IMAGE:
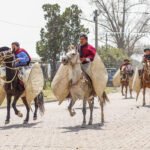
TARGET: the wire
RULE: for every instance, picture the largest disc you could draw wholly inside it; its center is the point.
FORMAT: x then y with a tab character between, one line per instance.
21	25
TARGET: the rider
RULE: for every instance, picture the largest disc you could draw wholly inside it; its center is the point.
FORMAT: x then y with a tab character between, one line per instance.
87	52
146	54
127	66
22	56
22	59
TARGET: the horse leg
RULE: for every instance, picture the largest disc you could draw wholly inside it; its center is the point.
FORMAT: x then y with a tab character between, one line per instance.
72	112
91	105
122	87
144	91
28	110
126	90
102	110
8	109
36	109
131	93
17	112
84	114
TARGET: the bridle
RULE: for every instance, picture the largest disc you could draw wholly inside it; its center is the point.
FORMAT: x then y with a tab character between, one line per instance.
76	60
3	57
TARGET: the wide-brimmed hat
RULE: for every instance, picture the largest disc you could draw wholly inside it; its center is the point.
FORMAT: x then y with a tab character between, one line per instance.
127	60
146	49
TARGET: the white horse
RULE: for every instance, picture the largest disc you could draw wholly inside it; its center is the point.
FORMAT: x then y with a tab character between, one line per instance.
81	86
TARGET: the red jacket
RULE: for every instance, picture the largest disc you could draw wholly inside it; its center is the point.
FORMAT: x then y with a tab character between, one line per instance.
87	51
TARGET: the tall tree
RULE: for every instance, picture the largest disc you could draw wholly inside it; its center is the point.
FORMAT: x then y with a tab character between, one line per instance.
125	18
61	30
112	57
73	26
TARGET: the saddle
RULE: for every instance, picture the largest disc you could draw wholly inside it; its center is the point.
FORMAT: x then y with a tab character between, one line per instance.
88	79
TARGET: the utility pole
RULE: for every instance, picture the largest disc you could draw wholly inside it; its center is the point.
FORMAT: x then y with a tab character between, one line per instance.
96	28
106	41
123	20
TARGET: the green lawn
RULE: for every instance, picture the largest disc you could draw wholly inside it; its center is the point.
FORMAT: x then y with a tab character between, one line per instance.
49	96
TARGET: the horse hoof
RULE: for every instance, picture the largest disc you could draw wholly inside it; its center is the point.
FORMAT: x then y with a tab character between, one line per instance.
73	114
101	124
34	118
20	114
7	122
25	122
83	125
90	123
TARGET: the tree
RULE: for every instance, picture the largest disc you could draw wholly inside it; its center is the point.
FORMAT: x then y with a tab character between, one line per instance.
73	27
60	31
123	18
112	57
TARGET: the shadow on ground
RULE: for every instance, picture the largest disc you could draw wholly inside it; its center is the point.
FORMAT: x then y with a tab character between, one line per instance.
16	126
78	128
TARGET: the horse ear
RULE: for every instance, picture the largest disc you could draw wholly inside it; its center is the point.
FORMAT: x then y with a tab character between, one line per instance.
71	47
76	49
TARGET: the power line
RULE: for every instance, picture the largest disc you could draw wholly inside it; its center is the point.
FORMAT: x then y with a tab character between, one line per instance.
21	25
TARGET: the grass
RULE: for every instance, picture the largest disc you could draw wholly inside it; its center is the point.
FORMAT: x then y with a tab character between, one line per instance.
49	96
111	90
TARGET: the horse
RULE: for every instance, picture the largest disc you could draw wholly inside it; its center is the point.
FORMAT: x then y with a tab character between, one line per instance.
13	87
145	79
80	87
126	81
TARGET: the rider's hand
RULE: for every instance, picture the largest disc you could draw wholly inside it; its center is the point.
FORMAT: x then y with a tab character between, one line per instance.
82	59
17	60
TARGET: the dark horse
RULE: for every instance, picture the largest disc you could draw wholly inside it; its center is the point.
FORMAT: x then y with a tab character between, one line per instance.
14	88
126	81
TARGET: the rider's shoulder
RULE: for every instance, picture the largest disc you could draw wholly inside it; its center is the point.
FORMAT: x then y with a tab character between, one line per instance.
91	47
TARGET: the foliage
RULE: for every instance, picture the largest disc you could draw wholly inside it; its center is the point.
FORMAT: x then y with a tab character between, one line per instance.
61	30
112	57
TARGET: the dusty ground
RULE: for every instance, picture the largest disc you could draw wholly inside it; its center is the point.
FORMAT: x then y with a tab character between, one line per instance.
127	127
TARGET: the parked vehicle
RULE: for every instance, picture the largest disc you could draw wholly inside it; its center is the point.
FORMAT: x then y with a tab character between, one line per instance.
111	72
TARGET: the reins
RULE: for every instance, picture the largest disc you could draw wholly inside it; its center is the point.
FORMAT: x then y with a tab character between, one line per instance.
10	80
11	68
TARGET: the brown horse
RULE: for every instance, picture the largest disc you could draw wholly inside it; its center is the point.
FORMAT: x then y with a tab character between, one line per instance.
14	88
145	79
126	81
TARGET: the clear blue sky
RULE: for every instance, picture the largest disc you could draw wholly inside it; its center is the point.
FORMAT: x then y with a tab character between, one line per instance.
29	12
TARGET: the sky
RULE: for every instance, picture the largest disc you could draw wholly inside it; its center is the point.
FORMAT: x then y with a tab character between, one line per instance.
21	20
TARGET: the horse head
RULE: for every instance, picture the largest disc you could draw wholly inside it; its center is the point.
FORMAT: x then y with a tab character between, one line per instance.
72	56
5	53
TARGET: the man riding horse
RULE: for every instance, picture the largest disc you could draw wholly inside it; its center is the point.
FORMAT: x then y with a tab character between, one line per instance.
14	87
126	72
22	57
87	52
127	66
144	75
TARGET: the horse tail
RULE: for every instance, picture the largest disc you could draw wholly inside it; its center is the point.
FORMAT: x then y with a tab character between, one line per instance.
40	102
105	97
